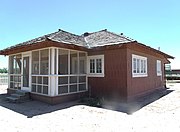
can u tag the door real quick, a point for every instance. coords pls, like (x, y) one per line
(25, 85)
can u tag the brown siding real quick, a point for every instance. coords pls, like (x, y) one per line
(141, 85)
(58, 99)
(113, 85)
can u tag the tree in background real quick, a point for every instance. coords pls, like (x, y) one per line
(4, 70)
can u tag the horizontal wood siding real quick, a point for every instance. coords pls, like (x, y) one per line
(141, 85)
(113, 84)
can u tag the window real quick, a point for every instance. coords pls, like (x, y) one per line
(158, 67)
(40, 70)
(139, 66)
(72, 69)
(96, 66)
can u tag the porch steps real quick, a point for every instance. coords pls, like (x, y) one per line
(19, 96)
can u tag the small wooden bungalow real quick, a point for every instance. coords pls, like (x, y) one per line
(62, 66)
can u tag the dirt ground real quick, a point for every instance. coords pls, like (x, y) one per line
(158, 112)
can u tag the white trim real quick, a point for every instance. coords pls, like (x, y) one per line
(94, 57)
(158, 68)
(140, 58)
(26, 54)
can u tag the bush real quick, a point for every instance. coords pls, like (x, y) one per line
(96, 102)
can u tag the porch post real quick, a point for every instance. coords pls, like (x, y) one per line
(9, 71)
(52, 70)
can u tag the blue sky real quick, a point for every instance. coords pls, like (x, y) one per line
(155, 23)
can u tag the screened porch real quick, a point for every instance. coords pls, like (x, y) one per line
(50, 71)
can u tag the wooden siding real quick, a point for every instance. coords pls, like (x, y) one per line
(113, 85)
(138, 86)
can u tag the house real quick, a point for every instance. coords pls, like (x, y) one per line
(62, 66)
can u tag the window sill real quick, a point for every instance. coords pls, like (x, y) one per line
(159, 75)
(95, 75)
(139, 75)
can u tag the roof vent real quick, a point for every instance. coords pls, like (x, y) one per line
(86, 34)
(59, 30)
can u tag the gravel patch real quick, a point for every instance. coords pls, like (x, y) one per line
(159, 115)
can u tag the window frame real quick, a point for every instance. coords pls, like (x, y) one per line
(140, 69)
(158, 68)
(95, 58)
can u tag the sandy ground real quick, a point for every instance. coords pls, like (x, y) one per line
(162, 115)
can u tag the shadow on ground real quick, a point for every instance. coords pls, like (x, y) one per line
(138, 103)
(34, 108)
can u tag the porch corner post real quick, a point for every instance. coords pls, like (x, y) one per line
(52, 77)
(9, 71)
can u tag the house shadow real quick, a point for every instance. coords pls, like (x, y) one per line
(34, 108)
(137, 104)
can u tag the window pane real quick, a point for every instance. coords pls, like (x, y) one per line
(63, 62)
(45, 89)
(82, 87)
(18, 61)
(33, 88)
(11, 78)
(45, 80)
(145, 65)
(98, 66)
(35, 62)
(73, 88)
(63, 80)
(11, 84)
(39, 90)
(82, 63)
(44, 61)
(82, 79)
(138, 66)
(33, 79)
(73, 79)
(39, 80)
(92, 66)
(134, 65)
(142, 65)
(62, 89)
(73, 62)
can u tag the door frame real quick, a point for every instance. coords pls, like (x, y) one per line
(26, 54)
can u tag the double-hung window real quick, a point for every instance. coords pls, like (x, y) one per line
(158, 67)
(139, 66)
(96, 66)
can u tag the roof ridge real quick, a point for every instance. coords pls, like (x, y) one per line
(130, 39)
(90, 33)
(60, 30)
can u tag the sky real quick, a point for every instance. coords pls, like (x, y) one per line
(155, 23)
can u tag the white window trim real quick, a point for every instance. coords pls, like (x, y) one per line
(88, 66)
(139, 74)
(158, 62)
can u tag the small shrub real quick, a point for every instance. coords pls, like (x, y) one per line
(96, 102)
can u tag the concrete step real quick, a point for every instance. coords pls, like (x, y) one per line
(17, 95)
(12, 99)
(21, 92)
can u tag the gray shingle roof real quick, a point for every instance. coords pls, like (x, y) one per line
(104, 37)
(89, 40)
